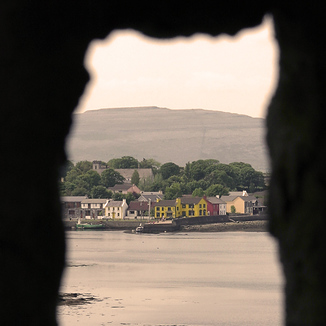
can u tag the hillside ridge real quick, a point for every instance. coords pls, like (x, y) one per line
(179, 136)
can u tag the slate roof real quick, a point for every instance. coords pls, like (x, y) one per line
(150, 196)
(140, 205)
(114, 203)
(125, 187)
(161, 203)
(244, 198)
(94, 201)
(72, 199)
(190, 200)
(215, 200)
(229, 198)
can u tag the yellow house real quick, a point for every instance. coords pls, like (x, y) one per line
(193, 206)
(186, 206)
(167, 209)
(240, 204)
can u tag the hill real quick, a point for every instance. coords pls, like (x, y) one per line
(168, 135)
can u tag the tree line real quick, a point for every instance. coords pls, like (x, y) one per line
(202, 177)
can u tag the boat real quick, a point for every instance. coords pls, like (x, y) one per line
(88, 226)
(139, 228)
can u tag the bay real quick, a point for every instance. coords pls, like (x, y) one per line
(221, 278)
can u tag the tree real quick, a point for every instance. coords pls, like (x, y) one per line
(247, 177)
(233, 209)
(93, 178)
(199, 169)
(125, 162)
(149, 164)
(135, 178)
(67, 188)
(84, 166)
(110, 178)
(79, 191)
(173, 192)
(216, 189)
(198, 192)
(72, 175)
(169, 169)
(101, 192)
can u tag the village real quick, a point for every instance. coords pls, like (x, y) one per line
(152, 205)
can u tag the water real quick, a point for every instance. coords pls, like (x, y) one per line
(230, 278)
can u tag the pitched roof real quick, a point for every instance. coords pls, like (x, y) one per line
(229, 198)
(150, 196)
(72, 199)
(120, 186)
(238, 193)
(94, 201)
(244, 198)
(161, 203)
(190, 200)
(140, 205)
(114, 203)
(125, 187)
(215, 200)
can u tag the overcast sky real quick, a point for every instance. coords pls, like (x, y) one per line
(232, 74)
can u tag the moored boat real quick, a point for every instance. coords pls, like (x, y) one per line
(139, 228)
(89, 226)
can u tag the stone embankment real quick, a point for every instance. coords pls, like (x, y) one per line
(248, 226)
(249, 223)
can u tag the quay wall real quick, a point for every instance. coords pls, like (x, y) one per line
(177, 223)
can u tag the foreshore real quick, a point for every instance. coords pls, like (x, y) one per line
(245, 226)
(225, 225)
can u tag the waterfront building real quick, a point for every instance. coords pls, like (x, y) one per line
(93, 208)
(215, 206)
(141, 210)
(193, 206)
(116, 209)
(71, 207)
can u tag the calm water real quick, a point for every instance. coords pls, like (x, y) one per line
(173, 279)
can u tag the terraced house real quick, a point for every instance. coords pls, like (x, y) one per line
(193, 206)
(186, 206)
(167, 209)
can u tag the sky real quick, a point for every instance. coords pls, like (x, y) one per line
(232, 74)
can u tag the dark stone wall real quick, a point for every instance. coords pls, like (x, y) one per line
(43, 44)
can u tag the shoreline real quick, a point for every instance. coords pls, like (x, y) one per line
(245, 226)
(227, 225)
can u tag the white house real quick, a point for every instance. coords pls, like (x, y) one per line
(153, 196)
(116, 209)
(93, 208)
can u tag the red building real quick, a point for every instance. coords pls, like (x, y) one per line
(215, 206)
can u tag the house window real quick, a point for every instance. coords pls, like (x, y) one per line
(204, 205)
(183, 206)
(108, 214)
(191, 205)
(199, 205)
(70, 205)
(118, 214)
(200, 212)
(204, 212)
(131, 212)
(158, 215)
